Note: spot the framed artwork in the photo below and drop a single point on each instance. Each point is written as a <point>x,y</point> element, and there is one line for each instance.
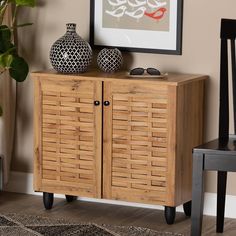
<point>153,26</point>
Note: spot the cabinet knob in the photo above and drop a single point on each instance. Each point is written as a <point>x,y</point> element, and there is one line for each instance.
<point>96,103</point>
<point>106,103</point>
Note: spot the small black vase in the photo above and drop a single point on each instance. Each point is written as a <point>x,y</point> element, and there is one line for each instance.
<point>109,59</point>
<point>70,53</point>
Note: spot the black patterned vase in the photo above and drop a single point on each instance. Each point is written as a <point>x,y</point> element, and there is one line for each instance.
<point>109,59</point>
<point>70,53</point>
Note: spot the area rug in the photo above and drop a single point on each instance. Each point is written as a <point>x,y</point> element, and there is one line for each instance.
<point>25,225</point>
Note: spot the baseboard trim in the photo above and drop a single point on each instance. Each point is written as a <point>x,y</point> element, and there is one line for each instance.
<point>21,182</point>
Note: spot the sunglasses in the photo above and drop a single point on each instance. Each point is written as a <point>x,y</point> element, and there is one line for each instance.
<point>140,71</point>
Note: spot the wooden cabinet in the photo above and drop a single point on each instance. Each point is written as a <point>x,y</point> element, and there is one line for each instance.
<point>115,137</point>
<point>68,137</point>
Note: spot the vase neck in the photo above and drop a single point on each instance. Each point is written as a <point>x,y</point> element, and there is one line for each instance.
<point>70,28</point>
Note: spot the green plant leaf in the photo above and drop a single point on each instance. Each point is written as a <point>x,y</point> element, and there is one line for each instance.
<point>5,38</point>
<point>5,60</point>
<point>28,3</point>
<point>6,32</point>
<point>18,69</point>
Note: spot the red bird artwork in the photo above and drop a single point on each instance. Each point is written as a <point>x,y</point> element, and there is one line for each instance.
<point>157,15</point>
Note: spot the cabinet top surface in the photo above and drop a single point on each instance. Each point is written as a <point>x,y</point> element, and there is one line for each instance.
<point>170,78</point>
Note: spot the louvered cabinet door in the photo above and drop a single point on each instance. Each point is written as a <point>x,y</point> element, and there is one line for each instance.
<point>68,136</point>
<point>136,142</point>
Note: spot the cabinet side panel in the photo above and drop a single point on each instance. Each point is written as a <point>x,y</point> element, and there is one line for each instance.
<point>189,134</point>
<point>37,135</point>
<point>172,146</point>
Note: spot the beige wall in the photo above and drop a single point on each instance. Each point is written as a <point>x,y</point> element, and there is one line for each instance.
<point>200,55</point>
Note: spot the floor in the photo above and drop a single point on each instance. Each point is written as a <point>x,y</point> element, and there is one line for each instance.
<point>107,214</point>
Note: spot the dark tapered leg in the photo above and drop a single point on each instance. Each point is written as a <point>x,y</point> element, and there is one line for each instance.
<point>197,194</point>
<point>187,208</point>
<point>221,190</point>
<point>170,215</point>
<point>70,198</point>
<point>48,200</point>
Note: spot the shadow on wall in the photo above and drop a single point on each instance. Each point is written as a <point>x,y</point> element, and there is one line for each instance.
<point>27,36</point>
<point>19,183</point>
<point>23,127</point>
<point>128,59</point>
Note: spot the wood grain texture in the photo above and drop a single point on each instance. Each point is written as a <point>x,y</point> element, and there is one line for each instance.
<point>107,141</point>
<point>172,145</point>
<point>189,121</point>
<point>37,134</point>
<point>68,137</point>
<point>135,145</point>
<point>95,75</point>
<point>138,148</point>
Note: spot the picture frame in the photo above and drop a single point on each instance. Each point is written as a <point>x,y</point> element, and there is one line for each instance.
<point>150,26</point>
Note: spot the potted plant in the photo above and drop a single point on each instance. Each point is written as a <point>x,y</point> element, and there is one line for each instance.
<point>10,60</point>
<point>12,65</point>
